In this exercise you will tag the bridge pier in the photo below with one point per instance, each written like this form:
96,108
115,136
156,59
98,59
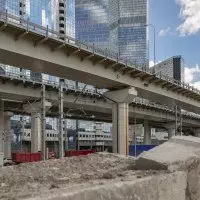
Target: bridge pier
7,134
171,132
36,124
120,117
147,133
36,135
197,132
1,125
171,128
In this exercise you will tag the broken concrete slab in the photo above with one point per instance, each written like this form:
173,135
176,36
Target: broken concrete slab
161,187
176,154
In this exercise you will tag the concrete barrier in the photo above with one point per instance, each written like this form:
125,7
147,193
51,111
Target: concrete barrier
177,154
159,187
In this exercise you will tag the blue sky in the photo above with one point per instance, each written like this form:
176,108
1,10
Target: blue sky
177,25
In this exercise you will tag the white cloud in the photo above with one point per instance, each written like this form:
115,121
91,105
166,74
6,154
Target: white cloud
192,76
151,63
190,16
196,85
164,32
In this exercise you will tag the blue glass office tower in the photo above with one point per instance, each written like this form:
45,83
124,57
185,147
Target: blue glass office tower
128,30
119,25
70,18
12,6
92,22
41,12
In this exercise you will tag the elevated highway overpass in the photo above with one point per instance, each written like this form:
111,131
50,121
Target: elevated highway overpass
27,45
89,105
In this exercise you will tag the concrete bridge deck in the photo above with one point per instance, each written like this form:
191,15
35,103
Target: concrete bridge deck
18,91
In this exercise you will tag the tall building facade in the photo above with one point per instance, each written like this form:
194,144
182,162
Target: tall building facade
92,24
172,67
128,29
117,25
12,6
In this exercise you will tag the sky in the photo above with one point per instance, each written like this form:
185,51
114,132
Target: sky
177,24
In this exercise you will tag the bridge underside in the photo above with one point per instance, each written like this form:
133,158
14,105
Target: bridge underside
155,118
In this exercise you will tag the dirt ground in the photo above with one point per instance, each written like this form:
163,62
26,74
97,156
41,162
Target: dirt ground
27,180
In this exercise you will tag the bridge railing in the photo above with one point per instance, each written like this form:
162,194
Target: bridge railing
147,103
106,53
42,80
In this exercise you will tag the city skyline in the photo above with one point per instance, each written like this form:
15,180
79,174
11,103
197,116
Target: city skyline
177,33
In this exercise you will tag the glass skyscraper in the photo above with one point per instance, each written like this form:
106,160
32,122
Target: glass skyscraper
42,12
12,6
70,18
92,22
128,30
118,25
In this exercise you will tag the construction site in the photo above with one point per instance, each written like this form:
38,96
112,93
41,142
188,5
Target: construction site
168,172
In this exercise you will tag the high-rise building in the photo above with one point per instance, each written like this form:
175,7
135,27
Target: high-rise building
118,25
128,29
41,12
12,6
92,24
172,67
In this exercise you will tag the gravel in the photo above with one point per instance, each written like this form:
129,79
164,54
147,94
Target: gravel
21,181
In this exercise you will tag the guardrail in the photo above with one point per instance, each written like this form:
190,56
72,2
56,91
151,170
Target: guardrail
17,21
154,105
42,80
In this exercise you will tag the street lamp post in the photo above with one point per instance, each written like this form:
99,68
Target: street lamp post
154,30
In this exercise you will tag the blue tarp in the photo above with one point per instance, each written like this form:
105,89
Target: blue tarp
139,149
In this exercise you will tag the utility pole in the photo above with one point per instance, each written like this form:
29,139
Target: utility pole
135,140
176,123
154,45
77,133
61,149
43,115
21,132
181,121
66,137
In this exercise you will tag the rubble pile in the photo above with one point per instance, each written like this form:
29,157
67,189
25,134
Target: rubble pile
170,171
29,179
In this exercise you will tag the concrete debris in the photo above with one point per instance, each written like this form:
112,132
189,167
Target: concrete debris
177,154
181,153
25,180
168,172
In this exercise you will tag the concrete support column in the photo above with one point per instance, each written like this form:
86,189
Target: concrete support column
171,132
7,134
38,125
1,125
196,132
36,135
147,133
120,119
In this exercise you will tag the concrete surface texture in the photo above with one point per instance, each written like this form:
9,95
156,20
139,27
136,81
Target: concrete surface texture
103,176
176,154
169,172
160,187
181,153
